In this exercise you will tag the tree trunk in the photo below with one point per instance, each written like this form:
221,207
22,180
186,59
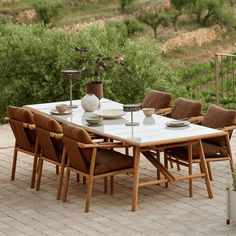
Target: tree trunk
122,6
155,32
208,15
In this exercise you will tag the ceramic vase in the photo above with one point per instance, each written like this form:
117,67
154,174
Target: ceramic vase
90,102
95,87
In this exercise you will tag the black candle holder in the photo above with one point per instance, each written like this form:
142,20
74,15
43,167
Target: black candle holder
131,108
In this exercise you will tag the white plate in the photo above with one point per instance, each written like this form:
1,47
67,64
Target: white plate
110,113
177,123
56,112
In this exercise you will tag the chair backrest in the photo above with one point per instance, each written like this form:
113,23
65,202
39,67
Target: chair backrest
156,99
51,147
184,108
79,158
217,117
25,138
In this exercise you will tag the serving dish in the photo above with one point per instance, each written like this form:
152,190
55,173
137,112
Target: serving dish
177,123
110,113
56,112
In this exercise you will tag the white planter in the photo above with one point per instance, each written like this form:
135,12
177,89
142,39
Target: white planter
90,102
231,205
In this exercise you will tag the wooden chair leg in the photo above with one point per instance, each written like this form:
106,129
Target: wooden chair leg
34,171
209,170
57,170
126,151
89,192
40,169
84,180
67,180
13,170
105,184
61,175
78,177
171,164
35,163
178,166
112,185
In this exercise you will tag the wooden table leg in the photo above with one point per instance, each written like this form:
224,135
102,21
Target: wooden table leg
136,178
205,170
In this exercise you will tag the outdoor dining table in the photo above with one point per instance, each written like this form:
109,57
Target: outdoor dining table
150,135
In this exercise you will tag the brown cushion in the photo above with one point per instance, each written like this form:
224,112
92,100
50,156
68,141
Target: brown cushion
109,160
156,99
76,133
20,114
47,123
210,150
184,108
80,158
217,117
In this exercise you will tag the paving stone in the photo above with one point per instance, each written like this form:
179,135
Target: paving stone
162,211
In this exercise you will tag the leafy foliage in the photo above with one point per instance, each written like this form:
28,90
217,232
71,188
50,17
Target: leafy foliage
46,11
154,19
31,58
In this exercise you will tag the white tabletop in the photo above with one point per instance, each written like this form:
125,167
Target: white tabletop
151,131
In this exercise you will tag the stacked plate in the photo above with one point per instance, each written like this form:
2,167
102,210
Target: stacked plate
177,123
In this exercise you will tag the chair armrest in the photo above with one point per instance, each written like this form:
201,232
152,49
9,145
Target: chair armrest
55,135
6,119
196,119
164,111
228,128
102,145
29,126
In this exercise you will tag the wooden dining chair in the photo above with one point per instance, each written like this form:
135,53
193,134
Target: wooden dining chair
85,159
185,109
158,100
215,149
22,125
49,134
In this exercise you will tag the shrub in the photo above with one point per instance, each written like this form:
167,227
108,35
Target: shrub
32,56
46,11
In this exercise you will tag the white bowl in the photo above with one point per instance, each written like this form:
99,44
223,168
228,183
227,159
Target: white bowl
94,120
148,111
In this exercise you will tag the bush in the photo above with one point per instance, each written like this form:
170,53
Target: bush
31,58
46,11
133,26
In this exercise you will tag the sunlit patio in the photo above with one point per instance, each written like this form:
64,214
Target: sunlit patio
161,211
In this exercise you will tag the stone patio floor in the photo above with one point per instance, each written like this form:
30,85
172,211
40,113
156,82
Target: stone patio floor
162,211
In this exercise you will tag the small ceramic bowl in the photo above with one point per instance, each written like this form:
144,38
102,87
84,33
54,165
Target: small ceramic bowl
94,120
61,108
148,111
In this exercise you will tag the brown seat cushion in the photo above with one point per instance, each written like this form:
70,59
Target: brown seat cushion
20,114
184,108
218,117
210,150
156,99
109,160
47,123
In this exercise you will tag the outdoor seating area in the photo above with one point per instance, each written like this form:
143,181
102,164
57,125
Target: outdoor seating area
162,211
138,155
